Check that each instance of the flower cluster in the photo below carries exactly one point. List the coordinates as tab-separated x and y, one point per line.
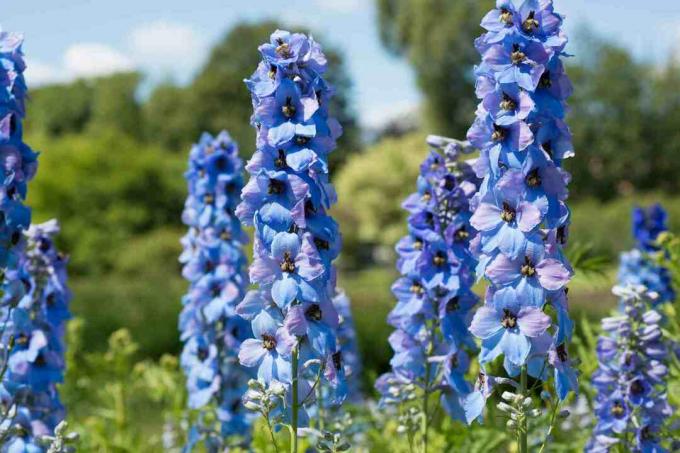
631	404
214	264
36	303
19	162
348	345
520	210
637	266
287	197
434	297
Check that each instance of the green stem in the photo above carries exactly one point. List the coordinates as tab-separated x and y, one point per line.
294	409
319	402
271	434
522	441
426	396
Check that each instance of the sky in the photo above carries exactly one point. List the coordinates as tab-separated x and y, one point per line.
170	39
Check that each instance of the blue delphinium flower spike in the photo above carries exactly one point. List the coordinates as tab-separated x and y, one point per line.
214	264
35	364
637	266
631	405
292	315
431	342
520	210
19	161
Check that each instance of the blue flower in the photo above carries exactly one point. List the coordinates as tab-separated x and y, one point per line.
214	263
520	209
431	341
36	302
287	200
633	353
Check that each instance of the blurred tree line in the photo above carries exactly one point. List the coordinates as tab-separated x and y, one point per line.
112	162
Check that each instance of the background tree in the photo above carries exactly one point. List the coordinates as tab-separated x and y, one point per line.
436	37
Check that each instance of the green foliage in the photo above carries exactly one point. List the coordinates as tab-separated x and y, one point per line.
115	403
105	188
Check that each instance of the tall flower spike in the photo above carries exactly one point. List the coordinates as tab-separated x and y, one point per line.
520	210
431	342
631	405
35	366
637	266
214	264
19	161
293	318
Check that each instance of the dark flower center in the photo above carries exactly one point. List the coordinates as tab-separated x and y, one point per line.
449	182
40	360
268	342
562	235
453	361
283	49
527	269
435	164
545	81
208	198
461	234
288	108
498	134
427	196
221	163
547	147
321	244
202	354
429	218
562	353
636	387
16	237
418	244
509	320
215	290
530	23
646	433
533	179
225	235
517	56
618	410
209	266
314	312
452	305
301	140
337	360
288	264
272	72
417	288
276	187
506	16
439	259
508	214
51	299
508	103
280	160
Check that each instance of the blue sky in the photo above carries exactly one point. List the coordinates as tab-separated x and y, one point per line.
170	38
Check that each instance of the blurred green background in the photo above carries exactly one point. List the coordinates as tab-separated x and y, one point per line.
112	164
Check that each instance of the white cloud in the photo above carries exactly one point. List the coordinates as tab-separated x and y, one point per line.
162	45
342	6
93	59
381	115
38	73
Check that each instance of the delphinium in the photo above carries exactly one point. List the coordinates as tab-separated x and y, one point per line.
631	405
214	264
638	266
294	322
520	210
37	288
19	166
431	341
